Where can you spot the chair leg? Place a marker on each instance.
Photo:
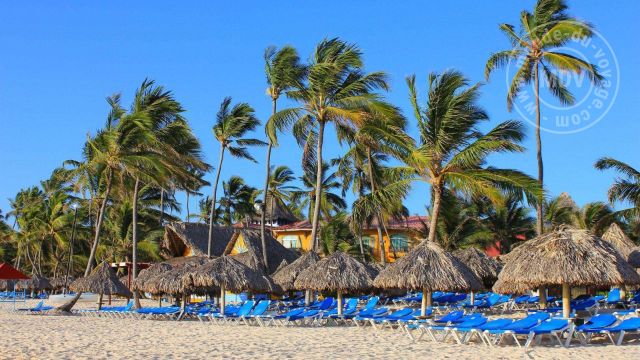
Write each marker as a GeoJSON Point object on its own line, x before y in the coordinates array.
{"type": "Point", "coordinates": [620, 338]}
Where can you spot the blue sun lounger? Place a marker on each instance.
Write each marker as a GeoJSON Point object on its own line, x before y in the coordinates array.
{"type": "Point", "coordinates": [278, 319]}
{"type": "Point", "coordinates": [552, 327]}
{"type": "Point", "coordinates": [510, 329]}
{"type": "Point", "coordinates": [470, 332]}
{"type": "Point", "coordinates": [585, 331]}
{"type": "Point", "coordinates": [631, 325]}
{"type": "Point", "coordinates": [39, 308]}
{"type": "Point", "coordinates": [256, 313]}
{"type": "Point", "coordinates": [386, 319]}
{"type": "Point", "coordinates": [168, 312]}
{"type": "Point", "coordinates": [467, 321]}
{"type": "Point", "coordinates": [244, 310]}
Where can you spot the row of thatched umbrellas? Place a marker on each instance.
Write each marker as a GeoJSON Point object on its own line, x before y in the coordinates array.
{"type": "Point", "coordinates": [566, 257]}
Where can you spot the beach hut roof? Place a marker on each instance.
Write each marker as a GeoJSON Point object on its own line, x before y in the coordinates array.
{"type": "Point", "coordinates": [286, 276]}
{"type": "Point", "coordinates": [169, 280]}
{"type": "Point", "coordinates": [230, 273]}
{"type": "Point", "coordinates": [566, 255]}
{"type": "Point", "coordinates": [621, 242]}
{"type": "Point", "coordinates": [253, 256]}
{"type": "Point", "coordinates": [634, 257]}
{"type": "Point", "coordinates": [102, 280]}
{"type": "Point", "coordinates": [58, 282]}
{"type": "Point", "coordinates": [428, 267]}
{"type": "Point", "coordinates": [178, 236]}
{"type": "Point", "coordinates": [35, 283]}
{"type": "Point", "coordinates": [276, 211]}
{"type": "Point", "coordinates": [484, 267]}
{"type": "Point", "coordinates": [337, 271]}
{"type": "Point", "coordinates": [159, 268]}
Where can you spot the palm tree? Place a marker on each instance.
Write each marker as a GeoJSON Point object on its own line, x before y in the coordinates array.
{"type": "Point", "coordinates": [284, 71]}
{"type": "Point", "coordinates": [330, 203]}
{"type": "Point", "coordinates": [337, 91]}
{"type": "Point", "coordinates": [232, 124]}
{"type": "Point", "coordinates": [237, 203]}
{"type": "Point", "coordinates": [542, 34]}
{"type": "Point", "coordinates": [452, 150]}
{"type": "Point", "coordinates": [279, 190]}
{"type": "Point", "coordinates": [459, 224]}
{"type": "Point", "coordinates": [625, 189]}
{"type": "Point", "coordinates": [507, 221]}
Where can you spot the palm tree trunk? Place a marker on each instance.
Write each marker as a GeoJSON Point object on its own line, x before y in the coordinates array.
{"type": "Point", "coordinates": [539, 220]}
{"type": "Point", "coordinates": [212, 213]}
{"type": "Point", "coordinates": [316, 210]}
{"type": "Point", "coordinates": [161, 205]}
{"type": "Point", "coordinates": [187, 219]}
{"type": "Point", "coordinates": [134, 237]}
{"type": "Point", "coordinates": [383, 253]}
{"type": "Point", "coordinates": [69, 305]}
{"type": "Point", "coordinates": [263, 216]}
{"type": "Point", "coordinates": [361, 246]}
{"type": "Point", "coordinates": [437, 196]}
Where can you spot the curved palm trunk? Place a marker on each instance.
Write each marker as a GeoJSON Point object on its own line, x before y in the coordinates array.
{"type": "Point", "coordinates": [134, 236]}
{"type": "Point", "coordinates": [69, 305]}
{"type": "Point", "coordinates": [263, 215]}
{"type": "Point", "coordinates": [161, 204]}
{"type": "Point", "coordinates": [316, 210]}
{"type": "Point", "coordinates": [212, 213]}
{"type": "Point", "coordinates": [437, 197]}
{"type": "Point", "coordinates": [539, 211]}
{"type": "Point", "coordinates": [383, 252]}
{"type": "Point", "coordinates": [187, 219]}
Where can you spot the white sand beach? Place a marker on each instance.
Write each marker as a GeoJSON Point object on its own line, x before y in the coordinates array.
{"type": "Point", "coordinates": [73, 337]}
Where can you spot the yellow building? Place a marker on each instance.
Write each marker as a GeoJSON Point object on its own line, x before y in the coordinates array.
{"type": "Point", "coordinates": [402, 236]}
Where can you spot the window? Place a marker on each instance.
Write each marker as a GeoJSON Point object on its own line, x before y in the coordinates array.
{"type": "Point", "coordinates": [291, 242]}
{"type": "Point", "coordinates": [400, 242]}
{"type": "Point", "coordinates": [369, 242]}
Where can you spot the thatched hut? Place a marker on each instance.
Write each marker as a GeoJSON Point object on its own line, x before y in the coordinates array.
{"type": "Point", "coordinates": [484, 267]}
{"type": "Point", "coordinates": [60, 282]}
{"type": "Point", "coordinates": [338, 272]}
{"type": "Point", "coordinates": [168, 277]}
{"type": "Point", "coordinates": [102, 280]}
{"type": "Point", "coordinates": [621, 242]}
{"type": "Point", "coordinates": [226, 273]}
{"type": "Point", "coordinates": [286, 276]}
{"type": "Point", "coordinates": [36, 283]}
{"type": "Point", "coordinates": [565, 257]}
{"type": "Point", "coordinates": [428, 268]}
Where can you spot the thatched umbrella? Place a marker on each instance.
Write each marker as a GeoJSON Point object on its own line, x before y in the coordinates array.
{"type": "Point", "coordinates": [227, 273]}
{"type": "Point", "coordinates": [36, 283]}
{"type": "Point", "coordinates": [566, 257]}
{"type": "Point", "coordinates": [338, 272]}
{"type": "Point", "coordinates": [428, 268]}
{"type": "Point", "coordinates": [102, 280]}
{"type": "Point", "coordinates": [634, 257]}
{"type": "Point", "coordinates": [286, 276]}
{"type": "Point", "coordinates": [484, 267]}
{"type": "Point", "coordinates": [621, 242]}
{"type": "Point", "coordinates": [58, 283]}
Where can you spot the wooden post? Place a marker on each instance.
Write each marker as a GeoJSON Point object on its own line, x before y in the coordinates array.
{"type": "Point", "coordinates": [307, 298]}
{"type": "Point", "coordinates": [472, 298]}
{"type": "Point", "coordinates": [339, 302]}
{"type": "Point", "coordinates": [623, 293]}
{"type": "Point", "coordinates": [159, 301]}
{"type": "Point", "coordinates": [423, 308]}
{"type": "Point", "coordinates": [222, 300]}
{"type": "Point", "coordinates": [566, 300]}
{"type": "Point", "coordinates": [100, 302]}
{"type": "Point", "coordinates": [429, 299]}
{"type": "Point", "coordinates": [542, 295]}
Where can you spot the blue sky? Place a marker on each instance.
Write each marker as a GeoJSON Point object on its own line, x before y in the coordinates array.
{"type": "Point", "coordinates": [61, 59]}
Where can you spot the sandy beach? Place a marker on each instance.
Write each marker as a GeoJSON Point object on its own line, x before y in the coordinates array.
{"type": "Point", "coordinates": [73, 337]}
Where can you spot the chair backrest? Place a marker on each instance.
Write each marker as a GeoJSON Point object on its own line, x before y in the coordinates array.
{"type": "Point", "coordinates": [496, 324]}
{"type": "Point", "coordinates": [530, 321]}
{"type": "Point", "coordinates": [129, 306]}
{"type": "Point", "coordinates": [452, 316]}
{"type": "Point", "coordinates": [402, 312]}
{"type": "Point", "coordinates": [614, 295]}
{"type": "Point", "coordinates": [599, 321]}
{"type": "Point", "coordinates": [261, 307]}
{"type": "Point", "coordinates": [585, 304]}
{"type": "Point", "coordinates": [522, 298]}
{"type": "Point", "coordinates": [245, 309]}
{"type": "Point", "coordinates": [373, 301]}
{"type": "Point", "coordinates": [39, 305]}
{"type": "Point", "coordinates": [351, 304]}
{"type": "Point", "coordinates": [326, 303]}
{"type": "Point", "coordinates": [493, 299]}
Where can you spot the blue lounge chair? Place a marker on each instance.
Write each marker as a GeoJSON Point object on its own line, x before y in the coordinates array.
{"type": "Point", "coordinates": [349, 308]}
{"type": "Point", "coordinates": [304, 318]}
{"type": "Point", "coordinates": [472, 321]}
{"type": "Point", "coordinates": [510, 329]}
{"type": "Point", "coordinates": [450, 318]}
{"type": "Point", "coordinates": [256, 313]}
{"type": "Point", "coordinates": [389, 318]}
{"type": "Point", "coordinates": [243, 311]}
{"type": "Point", "coordinates": [552, 327]}
{"type": "Point", "coordinates": [168, 312]}
{"type": "Point", "coordinates": [614, 298]}
{"type": "Point", "coordinates": [593, 326]}
{"type": "Point", "coordinates": [268, 319]}
{"type": "Point", "coordinates": [468, 333]}
{"type": "Point", "coordinates": [631, 325]}
{"type": "Point", "coordinates": [39, 308]}
{"type": "Point", "coordinates": [325, 304]}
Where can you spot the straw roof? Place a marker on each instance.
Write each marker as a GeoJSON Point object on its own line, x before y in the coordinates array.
{"type": "Point", "coordinates": [276, 212]}
{"type": "Point", "coordinates": [566, 255]}
{"type": "Point", "coordinates": [57, 283]}
{"type": "Point", "coordinates": [159, 268]}
{"type": "Point", "coordinates": [102, 280]}
{"type": "Point", "coordinates": [338, 271]}
{"type": "Point", "coordinates": [180, 237]}
{"type": "Point", "coordinates": [7, 285]}
{"type": "Point", "coordinates": [484, 267]}
{"type": "Point", "coordinates": [621, 242]}
{"type": "Point", "coordinates": [634, 257]}
{"type": "Point", "coordinates": [35, 283]}
{"type": "Point", "coordinates": [253, 256]}
{"type": "Point", "coordinates": [169, 280]}
{"type": "Point", "coordinates": [230, 273]}
{"type": "Point", "coordinates": [428, 267]}
{"type": "Point", "coordinates": [286, 276]}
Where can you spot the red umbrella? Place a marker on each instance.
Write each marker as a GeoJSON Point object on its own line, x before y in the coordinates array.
{"type": "Point", "coordinates": [8, 272]}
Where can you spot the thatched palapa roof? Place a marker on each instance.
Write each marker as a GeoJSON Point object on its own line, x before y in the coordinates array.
{"type": "Point", "coordinates": [276, 252]}
{"type": "Point", "coordinates": [621, 242]}
{"type": "Point", "coordinates": [35, 283]}
{"type": "Point", "coordinates": [337, 271]}
{"type": "Point", "coordinates": [228, 272]}
{"type": "Point", "coordinates": [178, 236]}
{"type": "Point", "coordinates": [483, 266]}
{"type": "Point", "coordinates": [428, 267]}
{"type": "Point", "coordinates": [286, 276]}
{"type": "Point", "coordinates": [276, 212]}
{"type": "Point", "coordinates": [169, 281]}
{"type": "Point", "coordinates": [102, 280]}
{"type": "Point", "coordinates": [57, 283]}
{"type": "Point", "coordinates": [570, 256]}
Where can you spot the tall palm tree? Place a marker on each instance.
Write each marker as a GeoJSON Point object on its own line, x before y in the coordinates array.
{"type": "Point", "coordinates": [625, 188]}
{"type": "Point", "coordinates": [232, 124]}
{"type": "Point", "coordinates": [452, 149]}
{"type": "Point", "coordinates": [284, 71]}
{"type": "Point", "coordinates": [538, 43]}
{"type": "Point", "coordinates": [279, 188]}
{"type": "Point", "coordinates": [508, 221]}
{"type": "Point", "coordinates": [336, 92]}
{"type": "Point", "coordinates": [330, 203]}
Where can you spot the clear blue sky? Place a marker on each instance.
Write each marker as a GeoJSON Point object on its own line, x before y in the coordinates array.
{"type": "Point", "coordinates": [61, 59]}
